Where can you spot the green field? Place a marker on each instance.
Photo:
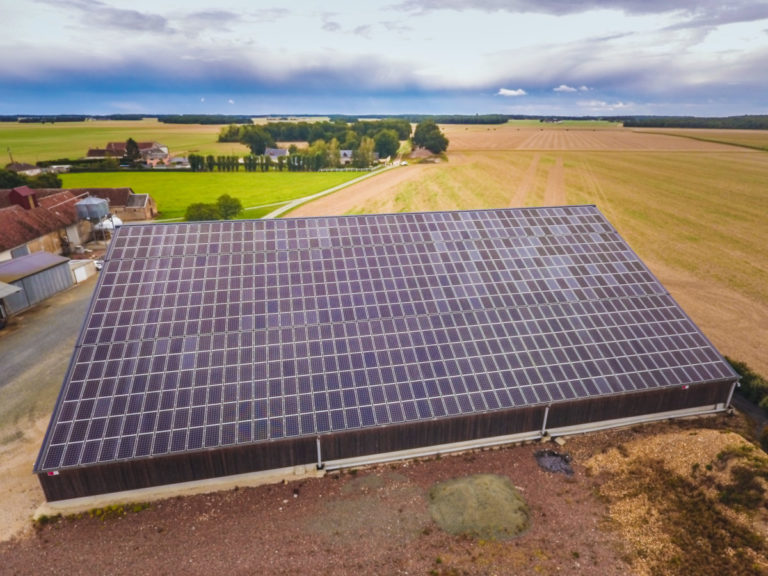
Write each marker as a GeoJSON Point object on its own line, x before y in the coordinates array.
{"type": "Point", "coordinates": [174, 191]}
{"type": "Point", "coordinates": [36, 142]}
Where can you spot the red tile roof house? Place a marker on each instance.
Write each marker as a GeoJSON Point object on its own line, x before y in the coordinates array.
{"type": "Point", "coordinates": [151, 152]}
{"type": "Point", "coordinates": [38, 223]}
{"type": "Point", "coordinates": [123, 203]}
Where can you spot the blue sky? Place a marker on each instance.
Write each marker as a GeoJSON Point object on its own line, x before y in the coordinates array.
{"type": "Point", "coordinates": [595, 57]}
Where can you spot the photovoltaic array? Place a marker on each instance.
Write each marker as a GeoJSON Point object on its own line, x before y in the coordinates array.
{"type": "Point", "coordinates": [204, 335]}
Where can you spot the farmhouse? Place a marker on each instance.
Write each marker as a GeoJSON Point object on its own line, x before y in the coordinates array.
{"type": "Point", "coordinates": [36, 221]}
{"type": "Point", "coordinates": [151, 152]}
{"type": "Point", "coordinates": [275, 154]}
{"type": "Point", "coordinates": [123, 202]}
{"type": "Point", "coordinates": [219, 348]}
{"type": "Point", "coordinates": [24, 169]}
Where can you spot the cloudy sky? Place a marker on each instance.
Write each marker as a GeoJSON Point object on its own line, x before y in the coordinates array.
{"type": "Point", "coordinates": [560, 57]}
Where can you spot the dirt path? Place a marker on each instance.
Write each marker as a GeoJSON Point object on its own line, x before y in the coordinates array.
{"type": "Point", "coordinates": [554, 194]}
{"type": "Point", "coordinates": [380, 190]}
{"type": "Point", "coordinates": [34, 352]}
{"type": "Point", "coordinates": [524, 189]}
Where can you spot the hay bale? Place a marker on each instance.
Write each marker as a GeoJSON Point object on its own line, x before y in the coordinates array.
{"type": "Point", "coordinates": [485, 506]}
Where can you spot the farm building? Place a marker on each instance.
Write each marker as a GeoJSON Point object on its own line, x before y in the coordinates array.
{"type": "Point", "coordinates": [39, 275]}
{"type": "Point", "coordinates": [218, 348]}
{"type": "Point", "coordinates": [38, 220]}
{"type": "Point", "coordinates": [123, 202]}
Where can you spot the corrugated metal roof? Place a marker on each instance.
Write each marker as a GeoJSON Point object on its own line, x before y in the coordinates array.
{"type": "Point", "coordinates": [18, 268]}
{"type": "Point", "coordinates": [8, 290]}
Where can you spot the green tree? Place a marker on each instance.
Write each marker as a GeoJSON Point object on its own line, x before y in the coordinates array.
{"type": "Point", "coordinates": [46, 180]}
{"type": "Point", "coordinates": [196, 162]}
{"type": "Point", "coordinates": [319, 153]}
{"type": "Point", "coordinates": [228, 207]}
{"type": "Point", "coordinates": [202, 211]}
{"type": "Point", "coordinates": [363, 156]}
{"type": "Point", "coordinates": [9, 179]}
{"type": "Point", "coordinates": [428, 135]}
{"type": "Point", "coordinates": [210, 162]}
{"type": "Point", "coordinates": [231, 133]}
{"type": "Point", "coordinates": [334, 154]}
{"type": "Point", "coordinates": [257, 139]}
{"type": "Point", "coordinates": [132, 152]}
{"type": "Point", "coordinates": [387, 143]}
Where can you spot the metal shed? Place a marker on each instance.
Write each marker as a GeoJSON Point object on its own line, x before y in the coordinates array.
{"type": "Point", "coordinates": [39, 275]}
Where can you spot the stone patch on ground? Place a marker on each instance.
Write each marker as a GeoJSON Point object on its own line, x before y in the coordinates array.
{"type": "Point", "coordinates": [552, 461]}
{"type": "Point", "coordinates": [485, 506]}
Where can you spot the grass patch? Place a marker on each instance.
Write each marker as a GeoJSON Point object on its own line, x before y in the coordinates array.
{"type": "Point", "coordinates": [173, 192]}
{"type": "Point", "coordinates": [106, 513]}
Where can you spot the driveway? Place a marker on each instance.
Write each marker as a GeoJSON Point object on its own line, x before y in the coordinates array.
{"type": "Point", "coordinates": [35, 348]}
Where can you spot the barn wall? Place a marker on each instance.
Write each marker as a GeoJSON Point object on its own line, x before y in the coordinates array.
{"type": "Point", "coordinates": [147, 472]}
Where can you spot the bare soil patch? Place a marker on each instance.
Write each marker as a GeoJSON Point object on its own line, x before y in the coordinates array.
{"type": "Point", "coordinates": [379, 191]}
{"type": "Point", "coordinates": [377, 521]}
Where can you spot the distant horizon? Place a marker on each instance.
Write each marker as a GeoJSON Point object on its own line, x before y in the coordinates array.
{"type": "Point", "coordinates": [371, 115]}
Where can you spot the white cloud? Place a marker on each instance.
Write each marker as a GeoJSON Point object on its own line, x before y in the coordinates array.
{"type": "Point", "coordinates": [508, 92]}
{"type": "Point", "coordinates": [230, 101]}
{"type": "Point", "coordinates": [566, 88]}
{"type": "Point", "coordinates": [603, 106]}
{"type": "Point", "coordinates": [202, 99]}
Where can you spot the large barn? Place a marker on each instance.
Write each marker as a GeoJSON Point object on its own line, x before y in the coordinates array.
{"type": "Point", "coordinates": [219, 348]}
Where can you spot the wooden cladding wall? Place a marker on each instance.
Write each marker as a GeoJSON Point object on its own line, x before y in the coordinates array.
{"type": "Point", "coordinates": [204, 464]}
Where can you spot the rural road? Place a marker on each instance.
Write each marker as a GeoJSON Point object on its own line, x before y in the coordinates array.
{"type": "Point", "coordinates": [35, 349]}
{"type": "Point", "coordinates": [39, 342]}
{"type": "Point", "coordinates": [299, 201]}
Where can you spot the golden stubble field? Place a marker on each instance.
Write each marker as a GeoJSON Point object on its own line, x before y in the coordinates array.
{"type": "Point", "coordinates": [696, 212]}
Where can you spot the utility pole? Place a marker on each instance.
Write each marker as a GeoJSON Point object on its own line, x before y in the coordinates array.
{"type": "Point", "coordinates": [9, 154]}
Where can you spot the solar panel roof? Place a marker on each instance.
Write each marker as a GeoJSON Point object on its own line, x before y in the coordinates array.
{"type": "Point", "coordinates": [203, 335]}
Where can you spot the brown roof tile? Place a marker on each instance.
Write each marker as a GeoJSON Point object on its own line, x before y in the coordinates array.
{"type": "Point", "coordinates": [18, 226]}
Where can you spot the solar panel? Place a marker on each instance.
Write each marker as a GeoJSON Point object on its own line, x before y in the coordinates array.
{"type": "Point", "coordinates": [218, 333]}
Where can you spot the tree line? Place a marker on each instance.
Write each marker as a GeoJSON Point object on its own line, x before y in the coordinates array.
{"type": "Point", "coordinates": [10, 179]}
{"type": "Point", "coordinates": [730, 122]}
{"type": "Point", "coordinates": [327, 139]}
{"type": "Point", "coordinates": [317, 157]}
{"type": "Point", "coordinates": [348, 135]}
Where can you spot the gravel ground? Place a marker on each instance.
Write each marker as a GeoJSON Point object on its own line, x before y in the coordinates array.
{"type": "Point", "coordinates": [377, 520]}
{"type": "Point", "coordinates": [373, 521]}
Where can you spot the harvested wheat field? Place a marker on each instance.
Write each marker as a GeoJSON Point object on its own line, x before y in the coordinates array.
{"type": "Point", "coordinates": [693, 210]}
{"type": "Point", "coordinates": [515, 136]}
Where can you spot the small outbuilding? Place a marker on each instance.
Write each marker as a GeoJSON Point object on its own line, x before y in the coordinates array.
{"type": "Point", "coordinates": [38, 276]}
